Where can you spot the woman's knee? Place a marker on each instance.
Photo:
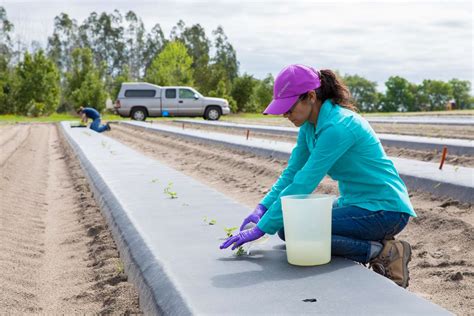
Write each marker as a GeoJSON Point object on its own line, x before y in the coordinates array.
{"type": "Point", "coordinates": [402, 223]}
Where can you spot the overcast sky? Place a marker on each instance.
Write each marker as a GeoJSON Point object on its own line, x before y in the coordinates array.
{"type": "Point", "coordinates": [375, 39]}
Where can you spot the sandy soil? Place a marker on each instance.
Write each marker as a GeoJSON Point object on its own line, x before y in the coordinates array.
{"type": "Point", "coordinates": [423, 155]}
{"type": "Point", "coordinates": [428, 130]}
{"type": "Point", "coordinates": [442, 236]}
{"type": "Point", "coordinates": [56, 253]}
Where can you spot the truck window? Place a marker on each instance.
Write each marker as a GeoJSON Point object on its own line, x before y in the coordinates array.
{"type": "Point", "coordinates": [140, 93]}
{"type": "Point", "coordinates": [170, 93]}
{"type": "Point", "coordinates": [186, 94]}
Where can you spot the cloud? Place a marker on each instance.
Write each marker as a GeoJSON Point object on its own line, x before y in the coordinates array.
{"type": "Point", "coordinates": [375, 39]}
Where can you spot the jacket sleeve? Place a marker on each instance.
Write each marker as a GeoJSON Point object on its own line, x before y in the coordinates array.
{"type": "Point", "coordinates": [331, 144]}
{"type": "Point", "coordinates": [298, 157]}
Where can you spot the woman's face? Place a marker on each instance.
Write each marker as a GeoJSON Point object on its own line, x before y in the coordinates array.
{"type": "Point", "coordinates": [300, 112]}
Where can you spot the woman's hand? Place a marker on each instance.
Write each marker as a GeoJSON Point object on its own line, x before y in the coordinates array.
{"type": "Point", "coordinates": [243, 237]}
{"type": "Point", "coordinates": [254, 217]}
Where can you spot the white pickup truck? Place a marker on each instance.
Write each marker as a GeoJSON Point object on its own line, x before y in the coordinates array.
{"type": "Point", "coordinates": [140, 100]}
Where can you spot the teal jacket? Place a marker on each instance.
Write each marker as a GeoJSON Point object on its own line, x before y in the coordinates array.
{"type": "Point", "coordinates": [345, 147]}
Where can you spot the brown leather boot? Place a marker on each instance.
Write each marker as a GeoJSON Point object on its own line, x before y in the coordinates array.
{"type": "Point", "coordinates": [392, 262]}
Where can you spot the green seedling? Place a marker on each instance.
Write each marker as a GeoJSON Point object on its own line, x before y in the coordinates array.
{"type": "Point", "coordinates": [240, 251]}
{"type": "Point", "coordinates": [77, 124]}
{"type": "Point", "coordinates": [119, 268]}
{"type": "Point", "coordinates": [456, 169]}
{"type": "Point", "coordinates": [211, 222]}
{"type": "Point", "coordinates": [229, 231]}
{"type": "Point", "coordinates": [154, 181]}
{"type": "Point", "coordinates": [168, 191]}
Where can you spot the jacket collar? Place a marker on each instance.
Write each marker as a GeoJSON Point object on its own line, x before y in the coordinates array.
{"type": "Point", "coordinates": [323, 116]}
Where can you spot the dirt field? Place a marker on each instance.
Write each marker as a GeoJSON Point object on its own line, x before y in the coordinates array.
{"type": "Point", "coordinates": [423, 155]}
{"type": "Point", "coordinates": [442, 236]}
{"type": "Point", "coordinates": [56, 253]}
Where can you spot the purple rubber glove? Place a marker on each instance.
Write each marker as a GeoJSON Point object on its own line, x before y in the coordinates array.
{"type": "Point", "coordinates": [254, 217]}
{"type": "Point", "coordinates": [243, 237]}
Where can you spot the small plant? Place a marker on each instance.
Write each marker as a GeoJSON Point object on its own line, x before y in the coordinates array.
{"type": "Point", "coordinates": [119, 267]}
{"type": "Point", "coordinates": [154, 181]}
{"type": "Point", "coordinates": [168, 191]}
{"type": "Point", "coordinates": [240, 251]}
{"type": "Point", "coordinates": [229, 231]}
{"type": "Point", "coordinates": [211, 222]}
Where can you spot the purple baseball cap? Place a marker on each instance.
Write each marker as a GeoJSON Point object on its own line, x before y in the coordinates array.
{"type": "Point", "coordinates": [291, 82]}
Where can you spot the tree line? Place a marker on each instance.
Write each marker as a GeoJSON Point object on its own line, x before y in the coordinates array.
{"type": "Point", "coordinates": [85, 63]}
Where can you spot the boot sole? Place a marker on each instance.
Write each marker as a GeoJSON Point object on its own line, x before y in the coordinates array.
{"type": "Point", "coordinates": [407, 259]}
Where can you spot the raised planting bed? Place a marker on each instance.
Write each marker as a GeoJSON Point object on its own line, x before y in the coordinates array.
{"type": "Point", "coordinates": [454, 146]}
{"type": "Point", "coordinates": [455, 182]}
{"type": "Point", "coordinates": [170, 248]}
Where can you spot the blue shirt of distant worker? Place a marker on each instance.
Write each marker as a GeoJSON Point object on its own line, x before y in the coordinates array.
{"type": "Point", "coordinates": [91, 113]}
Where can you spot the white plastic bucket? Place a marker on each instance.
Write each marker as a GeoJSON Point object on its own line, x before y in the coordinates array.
{"type": "Point", "coordinates": [307, 223]}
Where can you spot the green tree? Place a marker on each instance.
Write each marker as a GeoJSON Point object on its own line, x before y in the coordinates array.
{"type": "Point", "coordinates": [363, 92]}
{"type": "Point", "coordinates": [124, 76]}
{"type": "Point", "coordinates": [225, 56]}
{"type": "Point", "coordinates": [155, 42]}
{"type": "Point", "coordinates": [85, 85]}
{"type": "Point", "coordinates": [222, 92]}
{"type": "Point", "coordinates": [6, 27]}
{"type": "Point", "coordinates": [91, 92]}
{"type": "Point", "coordinates": [172, 66]}
{"type": "Point", "coordinates": [262, 95]}
{"type": "Point", "coordinates": [471, 103]}
{"type": "Point", "coordinates": [434, 94]}
{"type": "Point", "coordinates": [215, 74]}
{"type": "Point", "coordinates": [135, 42]}
{"type": "Point", "coordinates": [242, 91]}
{"type": "Point", "coordinates": [38, 85]}
{"type": "Point", "coordinates": [6, 76]}
{"type": "Point", "coordinates": [63, 41]}
{"type": "Point", "coordinates": [198, 45]}
{"type": "Point", "coordinates": [461, 92]}
{"type": "Point", "coordinates": [177, 30]}
{"type": "Point", "coordinates": [399, 96]}
{"type": "Point", "coordinates": [8, 86]}
{"type": "Point", "coordinates": [104, 35]}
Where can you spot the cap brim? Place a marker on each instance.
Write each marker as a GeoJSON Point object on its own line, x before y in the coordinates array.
{"type": "Point", "coordinates": [280, 106]}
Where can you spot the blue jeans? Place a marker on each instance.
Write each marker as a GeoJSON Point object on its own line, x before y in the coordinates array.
{"type": "Point", "coordinates": [95, 125]}
{"type": "Point", "coordinates": [354, 229]}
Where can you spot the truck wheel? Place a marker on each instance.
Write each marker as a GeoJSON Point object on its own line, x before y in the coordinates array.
{"type": "Point", "coordinates": [138, 114]}
{"type": "Point", "coordinates": [213, 113]}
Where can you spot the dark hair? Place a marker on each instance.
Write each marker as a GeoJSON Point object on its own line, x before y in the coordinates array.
{"type": "Point", "coordinates": [334, 89]}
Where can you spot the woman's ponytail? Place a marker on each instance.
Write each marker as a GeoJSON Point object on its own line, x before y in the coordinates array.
{"type": "Point", "coordinates": [334, 89]}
